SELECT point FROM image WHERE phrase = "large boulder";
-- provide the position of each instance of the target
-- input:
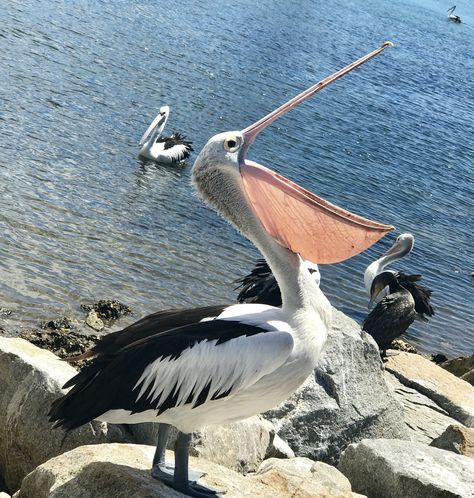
(423, 418)
(123, 470)
(346, 400)
(30, 379)
(454, 395)
(456, 438)
(401, 469)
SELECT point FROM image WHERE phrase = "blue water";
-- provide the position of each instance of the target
(82, 219)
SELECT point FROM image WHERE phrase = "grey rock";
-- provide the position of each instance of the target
(30, 379)
(456, 438)
(345, 401)
(93, 320)
(404, 469)
(122, 471)
(423, 418)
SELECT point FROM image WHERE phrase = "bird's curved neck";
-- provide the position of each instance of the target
(298, 288)
(379, 265)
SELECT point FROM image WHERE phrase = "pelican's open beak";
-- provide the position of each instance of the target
(298, 219)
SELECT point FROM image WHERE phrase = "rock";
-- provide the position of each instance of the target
(62, 342)
(60, 324)
(108, 310)
(288, 477)
(424, 419)
(240, 446)
(401, 469)
(459, 366)
(345, 401)
(462, 367)
(451, 393)
(401, 345)
(30, 379)
(438, 358)
(456, 438)
(469, 377)
(123, 470)
(93, 320)
(4, 495)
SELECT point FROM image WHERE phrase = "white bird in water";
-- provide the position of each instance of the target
(374, 276)
(165, 150)
(451, 16)
(249, 357)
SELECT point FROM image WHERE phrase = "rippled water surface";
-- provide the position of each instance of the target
(82, 219)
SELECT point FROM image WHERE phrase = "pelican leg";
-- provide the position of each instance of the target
(181, 481)
(160, 468)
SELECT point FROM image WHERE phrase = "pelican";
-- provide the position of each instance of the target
(452, 16)
(249, 357)
(260, 285)
(392, 316)
(421, 295)
(165, 150)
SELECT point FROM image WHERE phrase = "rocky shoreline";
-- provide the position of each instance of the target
(357, 427)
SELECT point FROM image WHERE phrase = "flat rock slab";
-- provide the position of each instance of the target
(423, 418)
(390, 468)
(123, 471)
(451, 393)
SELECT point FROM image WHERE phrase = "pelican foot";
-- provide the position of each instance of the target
(189, 488)
(165, 471)
(197, 491)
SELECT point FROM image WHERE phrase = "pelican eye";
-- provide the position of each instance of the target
(232, 144)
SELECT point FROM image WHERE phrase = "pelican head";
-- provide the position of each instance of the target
(402, 246)
(290, 214)
(157, 125)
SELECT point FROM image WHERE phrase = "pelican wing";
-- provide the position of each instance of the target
(390, 318)
(188, 365)
(150, 325)
(420, 293)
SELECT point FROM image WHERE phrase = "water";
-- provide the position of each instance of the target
(82, 219)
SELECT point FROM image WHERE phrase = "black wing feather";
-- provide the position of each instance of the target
(108, 382)
(390, 318)
(150, 325)
(259, 286)
(420, 293)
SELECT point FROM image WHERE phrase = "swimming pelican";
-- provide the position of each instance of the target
(260, 285)
(392, 316)
(165, 150)
(421, 295)
(250, 357)
(452, 16)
